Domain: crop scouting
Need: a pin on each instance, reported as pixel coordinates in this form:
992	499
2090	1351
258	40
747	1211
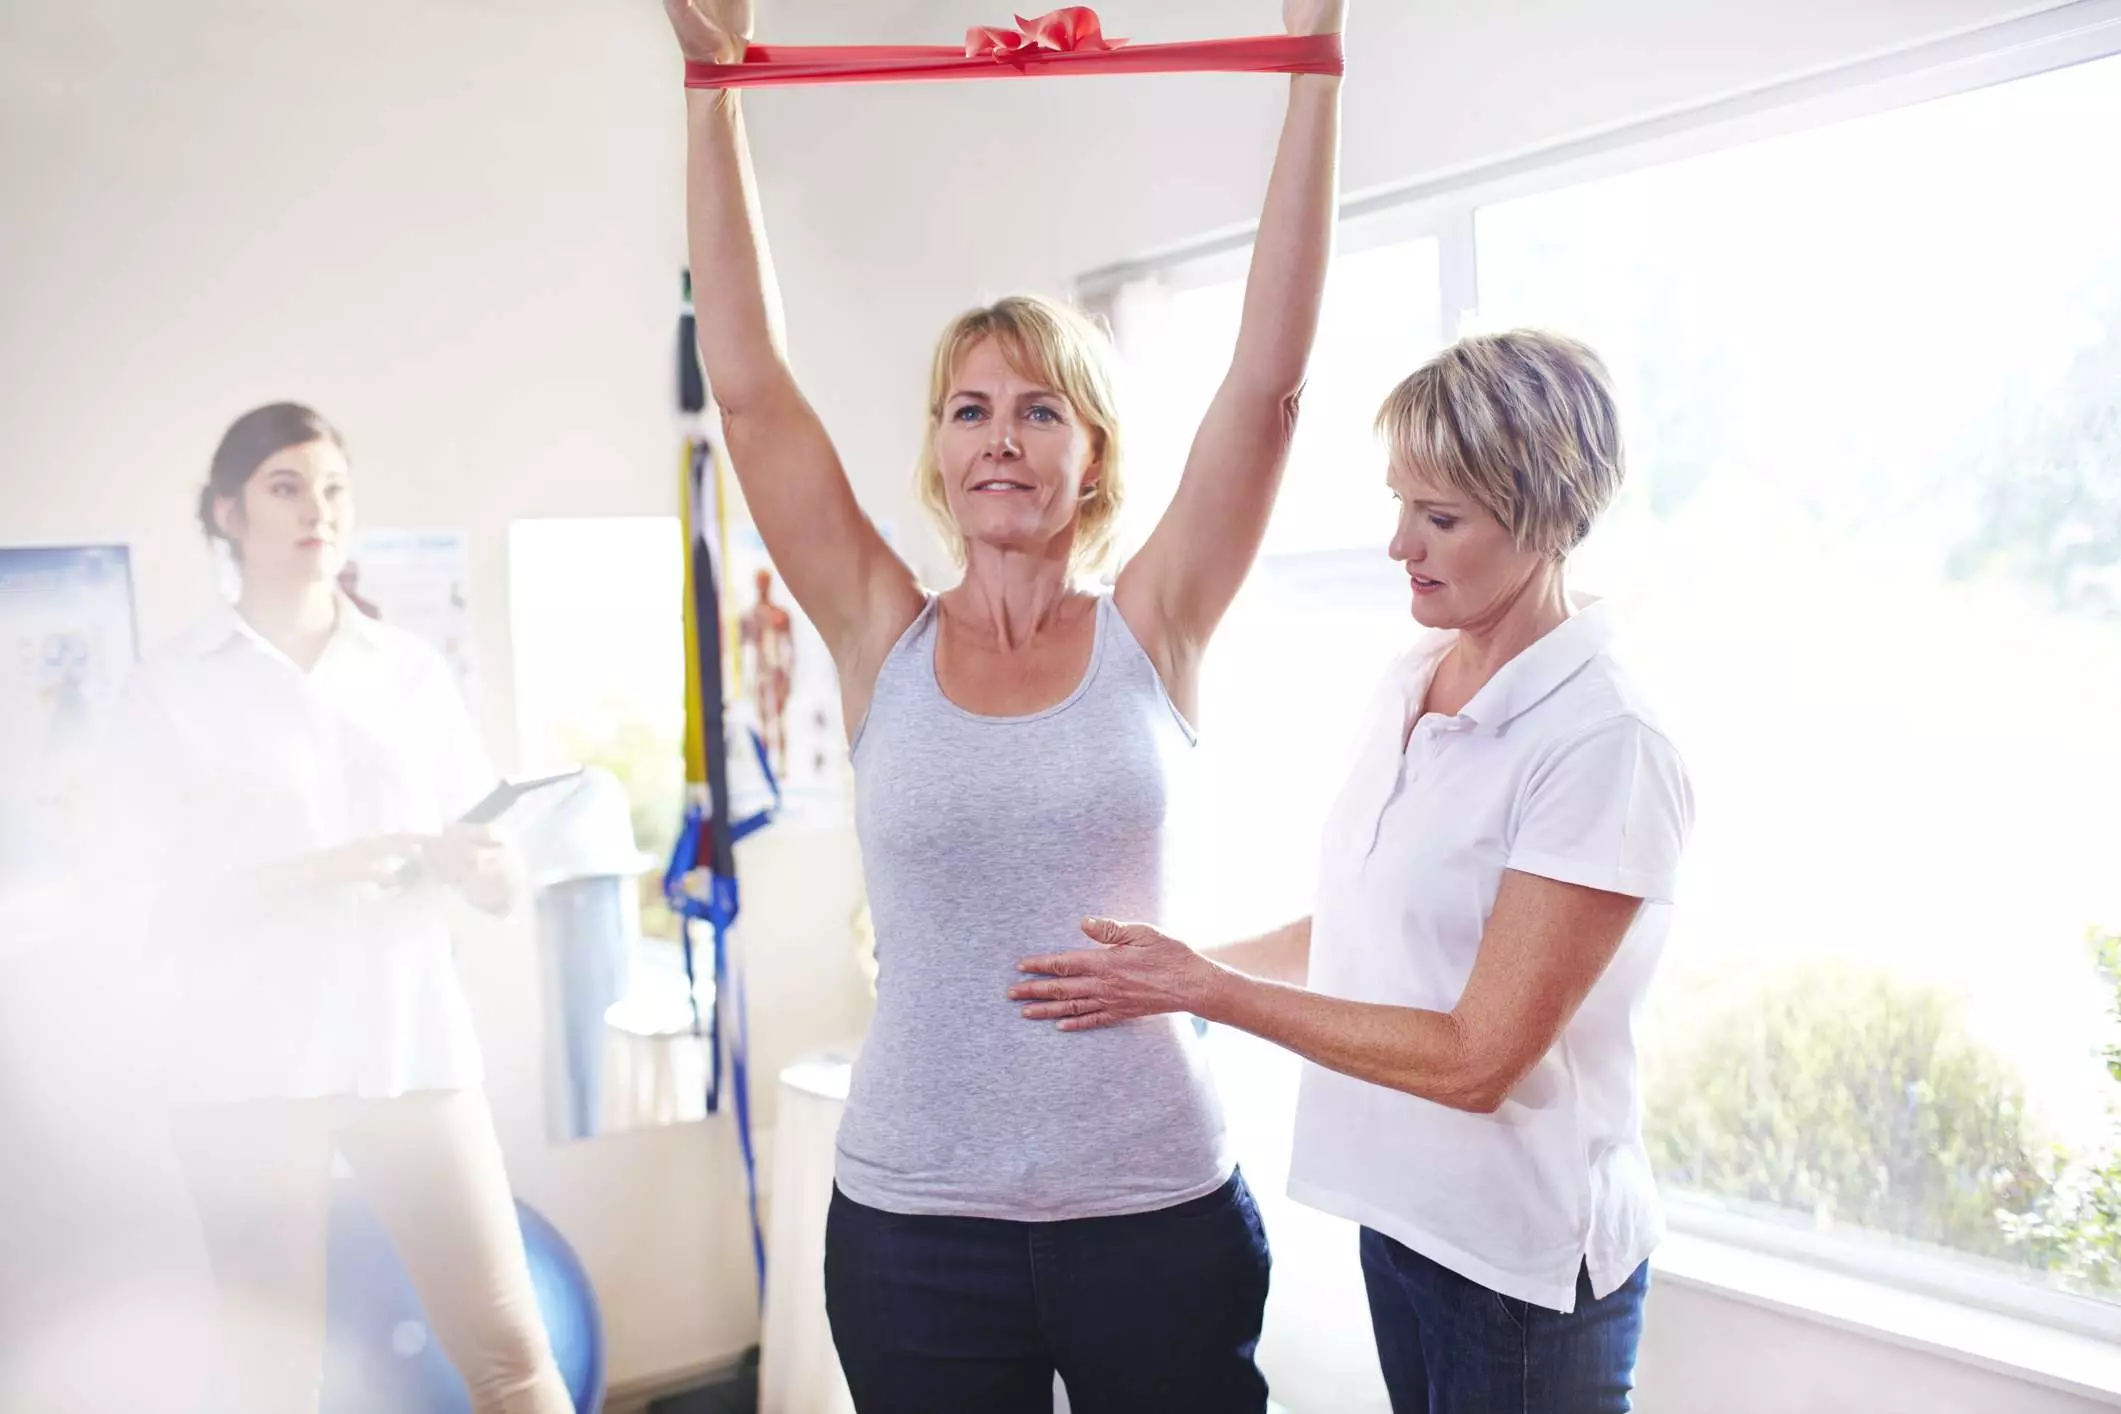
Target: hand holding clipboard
464	851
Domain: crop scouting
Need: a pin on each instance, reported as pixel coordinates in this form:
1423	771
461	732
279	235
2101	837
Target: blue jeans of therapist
1150	1313
1449	1345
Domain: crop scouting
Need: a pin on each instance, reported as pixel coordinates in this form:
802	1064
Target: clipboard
503	797
491	807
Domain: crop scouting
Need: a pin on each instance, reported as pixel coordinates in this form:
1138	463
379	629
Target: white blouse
1555	768
232	762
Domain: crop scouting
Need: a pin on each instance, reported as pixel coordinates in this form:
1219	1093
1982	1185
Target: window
1870	559
1872	553
598	638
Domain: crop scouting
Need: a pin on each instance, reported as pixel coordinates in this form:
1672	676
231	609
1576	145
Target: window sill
2080	1365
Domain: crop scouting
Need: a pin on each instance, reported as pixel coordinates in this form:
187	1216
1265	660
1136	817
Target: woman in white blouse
290	775
1493	896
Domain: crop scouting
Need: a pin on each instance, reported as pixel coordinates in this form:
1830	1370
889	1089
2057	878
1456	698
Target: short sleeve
1609	809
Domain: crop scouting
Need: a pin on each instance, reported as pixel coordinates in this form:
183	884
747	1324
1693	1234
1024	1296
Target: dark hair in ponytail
249	440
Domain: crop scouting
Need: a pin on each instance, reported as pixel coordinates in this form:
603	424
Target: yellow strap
732	660
695	716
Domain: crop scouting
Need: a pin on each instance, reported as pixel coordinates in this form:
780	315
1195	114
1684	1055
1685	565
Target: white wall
1705	1351
455	226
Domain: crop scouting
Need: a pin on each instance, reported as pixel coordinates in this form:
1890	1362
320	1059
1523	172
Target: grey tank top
986	840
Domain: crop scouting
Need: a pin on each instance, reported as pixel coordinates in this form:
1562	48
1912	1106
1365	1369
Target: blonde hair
1523	423
1064	349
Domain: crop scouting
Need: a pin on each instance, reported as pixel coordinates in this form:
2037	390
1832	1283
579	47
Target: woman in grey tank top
1012	1202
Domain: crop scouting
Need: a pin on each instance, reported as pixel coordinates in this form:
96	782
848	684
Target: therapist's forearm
1424	1053
1283	955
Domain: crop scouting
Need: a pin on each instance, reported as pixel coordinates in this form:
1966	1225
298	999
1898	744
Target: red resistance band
1067	41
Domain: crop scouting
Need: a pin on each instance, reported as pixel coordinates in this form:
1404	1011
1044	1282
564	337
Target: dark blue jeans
1451	1346
1151	1313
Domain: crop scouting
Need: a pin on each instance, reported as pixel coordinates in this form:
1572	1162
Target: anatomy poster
68	636
785	686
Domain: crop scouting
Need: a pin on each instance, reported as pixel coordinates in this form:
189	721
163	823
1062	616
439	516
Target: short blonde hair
1064	349
1522	423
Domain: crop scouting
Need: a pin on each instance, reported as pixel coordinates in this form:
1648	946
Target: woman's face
295	517
1462	566
1016	458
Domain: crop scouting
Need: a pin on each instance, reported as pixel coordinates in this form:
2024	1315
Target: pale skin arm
850	583
294	883
1177	588
468	858
1545	945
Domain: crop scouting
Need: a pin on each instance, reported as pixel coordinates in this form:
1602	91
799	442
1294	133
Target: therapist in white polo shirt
289	778
1494	894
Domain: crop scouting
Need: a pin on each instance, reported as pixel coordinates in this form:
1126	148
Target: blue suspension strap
700	883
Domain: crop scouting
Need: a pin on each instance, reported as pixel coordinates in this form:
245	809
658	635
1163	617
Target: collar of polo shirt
1524	681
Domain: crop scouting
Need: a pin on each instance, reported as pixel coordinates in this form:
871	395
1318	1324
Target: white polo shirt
1554	768
230	758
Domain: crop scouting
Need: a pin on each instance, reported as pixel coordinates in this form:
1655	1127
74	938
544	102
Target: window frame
1445	207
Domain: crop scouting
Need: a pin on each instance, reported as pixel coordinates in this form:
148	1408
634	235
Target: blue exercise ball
382	1357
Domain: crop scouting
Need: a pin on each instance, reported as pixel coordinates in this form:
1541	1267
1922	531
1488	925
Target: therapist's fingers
1059	1010
1089	962
1059	991
1111	933
1083	962
1054	989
